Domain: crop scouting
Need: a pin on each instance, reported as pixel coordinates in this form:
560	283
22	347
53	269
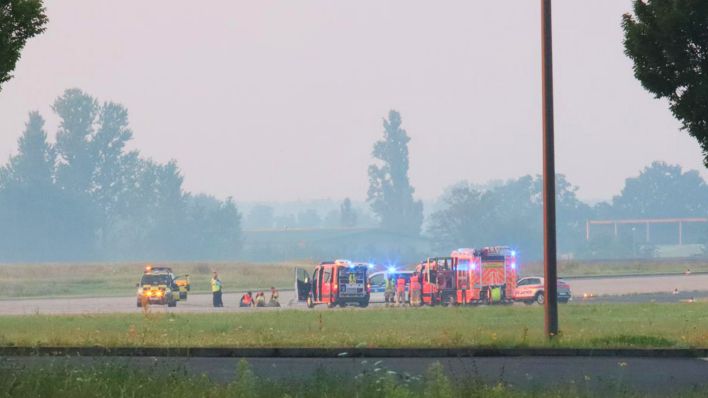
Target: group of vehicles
468	276
159	285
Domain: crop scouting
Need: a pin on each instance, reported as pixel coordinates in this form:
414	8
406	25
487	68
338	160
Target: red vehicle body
489	273
441	280
339	282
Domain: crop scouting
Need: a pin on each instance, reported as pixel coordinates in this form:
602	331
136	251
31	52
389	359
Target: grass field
590	326
116	381
107	279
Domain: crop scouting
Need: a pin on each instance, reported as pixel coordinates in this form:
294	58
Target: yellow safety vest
215	285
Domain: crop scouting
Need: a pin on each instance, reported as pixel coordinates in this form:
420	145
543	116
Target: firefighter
414	289
401	290
389	291
216	290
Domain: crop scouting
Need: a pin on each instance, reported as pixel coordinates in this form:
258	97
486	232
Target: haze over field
255	99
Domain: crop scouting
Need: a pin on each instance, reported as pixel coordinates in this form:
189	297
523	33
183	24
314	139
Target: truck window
327	276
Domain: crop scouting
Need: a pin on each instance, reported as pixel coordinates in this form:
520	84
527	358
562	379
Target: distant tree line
87	197
510	213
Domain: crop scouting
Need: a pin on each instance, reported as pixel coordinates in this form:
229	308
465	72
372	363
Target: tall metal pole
549	177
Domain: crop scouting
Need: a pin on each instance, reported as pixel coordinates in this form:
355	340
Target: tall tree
107	149
20	20
34	164
668	42
29	201
77	112
390	192
347	214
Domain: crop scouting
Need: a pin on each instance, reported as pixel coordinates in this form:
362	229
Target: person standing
216	290
401	290
389	293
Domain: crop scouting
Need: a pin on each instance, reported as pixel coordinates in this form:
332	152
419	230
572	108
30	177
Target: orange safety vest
401	284
246	299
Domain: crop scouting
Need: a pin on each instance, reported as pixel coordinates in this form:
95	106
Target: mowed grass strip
582	326
119	279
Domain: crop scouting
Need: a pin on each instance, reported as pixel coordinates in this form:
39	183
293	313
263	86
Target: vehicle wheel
528	302
332	305
563	301
540	298
172	304
364	304
310	302
140	304
183	296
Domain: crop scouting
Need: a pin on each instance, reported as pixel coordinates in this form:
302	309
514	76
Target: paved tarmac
607	289
648	376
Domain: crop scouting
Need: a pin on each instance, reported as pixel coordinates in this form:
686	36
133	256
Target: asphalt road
649	376
607	289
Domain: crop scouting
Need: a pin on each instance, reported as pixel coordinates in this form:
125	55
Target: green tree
347	214
668	42
20	20
506	214
30	203
34	164
662	190
390	192
77	112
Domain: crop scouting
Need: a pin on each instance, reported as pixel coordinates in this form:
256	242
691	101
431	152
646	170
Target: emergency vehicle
530	290
490	273
435	281
159	285
339	282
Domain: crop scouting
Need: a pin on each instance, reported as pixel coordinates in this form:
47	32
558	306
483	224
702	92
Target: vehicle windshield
155	280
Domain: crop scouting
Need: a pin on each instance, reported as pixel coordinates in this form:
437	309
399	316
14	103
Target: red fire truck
339	282
468	276
492	272
437	280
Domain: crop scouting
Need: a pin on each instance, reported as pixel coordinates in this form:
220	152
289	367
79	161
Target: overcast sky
282	100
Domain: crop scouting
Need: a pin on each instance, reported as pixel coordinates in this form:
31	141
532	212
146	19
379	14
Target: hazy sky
281	100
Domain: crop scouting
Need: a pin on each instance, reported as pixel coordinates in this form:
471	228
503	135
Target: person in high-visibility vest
216	290
401	290
389	291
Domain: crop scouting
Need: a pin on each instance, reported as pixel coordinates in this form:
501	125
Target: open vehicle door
182	283
303	285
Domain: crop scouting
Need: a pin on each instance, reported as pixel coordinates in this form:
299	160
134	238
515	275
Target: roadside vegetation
582	326
121	381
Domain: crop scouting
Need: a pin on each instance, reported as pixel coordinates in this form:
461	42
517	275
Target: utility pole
549	177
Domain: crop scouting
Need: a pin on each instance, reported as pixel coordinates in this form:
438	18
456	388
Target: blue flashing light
513	265
513	253
371	266
391	270
473	266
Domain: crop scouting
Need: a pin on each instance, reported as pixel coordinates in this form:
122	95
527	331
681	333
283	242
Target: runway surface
606	289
